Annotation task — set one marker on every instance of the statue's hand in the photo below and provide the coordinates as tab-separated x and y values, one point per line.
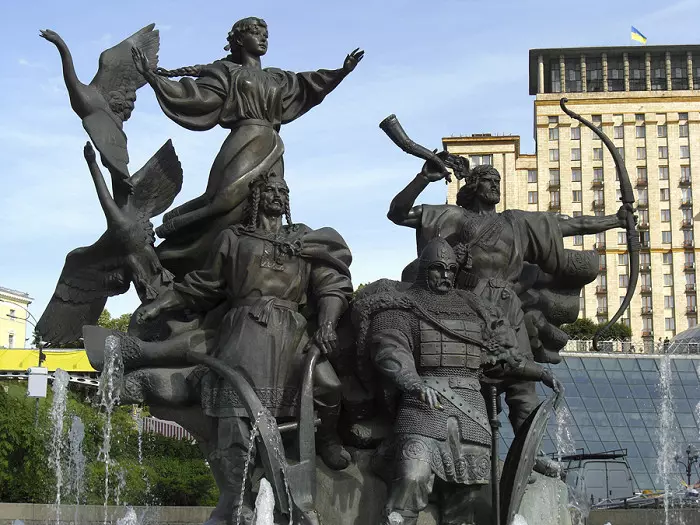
141	62
326	338
50	35
622	214
88	152
432	171
353	59
429	396
149	312
552	382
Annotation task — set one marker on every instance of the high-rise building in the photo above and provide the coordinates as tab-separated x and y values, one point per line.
647	100
13	317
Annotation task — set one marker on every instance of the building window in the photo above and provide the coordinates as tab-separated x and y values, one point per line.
685	173
679	72
623	280
616	73
665	215
663	152
573	75
577	213
668	301
578	240
576	197
553	133
532	197
658	72
554	76
667	257
554	176
642	196
686	195
575	174
622	259
576	133
683	116
482	160
638	73
639	117
683	128
621	153
598	174
670	323
576	154
661	130
597	153
663	172
641	173
665	194
532	175
641	153
554	198
640	132
621	237
668	279
12	314
553	119
619	132
554	154
685	152
594	74
643	219
666	237
10	340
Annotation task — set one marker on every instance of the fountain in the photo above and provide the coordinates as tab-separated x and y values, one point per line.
76	463
58	411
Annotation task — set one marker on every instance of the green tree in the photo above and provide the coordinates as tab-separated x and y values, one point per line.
120	323
580	329
175	469
616	331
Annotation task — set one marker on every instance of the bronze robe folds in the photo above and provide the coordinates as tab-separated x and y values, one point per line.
263	333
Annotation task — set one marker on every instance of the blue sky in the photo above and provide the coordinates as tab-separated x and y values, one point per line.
446	67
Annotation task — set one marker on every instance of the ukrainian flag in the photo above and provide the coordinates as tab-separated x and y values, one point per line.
638	36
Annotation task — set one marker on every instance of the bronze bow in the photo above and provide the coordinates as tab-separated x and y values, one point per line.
633	244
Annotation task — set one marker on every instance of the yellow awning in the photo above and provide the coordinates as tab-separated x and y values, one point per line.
68	360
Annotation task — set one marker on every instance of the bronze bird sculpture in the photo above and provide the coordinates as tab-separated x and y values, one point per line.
122	255
108	100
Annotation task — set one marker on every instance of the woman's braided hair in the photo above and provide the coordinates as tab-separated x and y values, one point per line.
241	27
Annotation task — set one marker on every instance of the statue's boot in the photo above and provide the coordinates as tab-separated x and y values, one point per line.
227	467
328	443
136	353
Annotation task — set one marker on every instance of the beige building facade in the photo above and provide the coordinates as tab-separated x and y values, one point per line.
13	318
647	100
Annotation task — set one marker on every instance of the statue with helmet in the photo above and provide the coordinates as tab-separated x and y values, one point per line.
433	345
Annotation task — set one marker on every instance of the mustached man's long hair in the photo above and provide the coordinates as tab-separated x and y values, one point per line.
467	193
256	186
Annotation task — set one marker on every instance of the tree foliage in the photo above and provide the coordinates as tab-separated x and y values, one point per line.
173	472
585	329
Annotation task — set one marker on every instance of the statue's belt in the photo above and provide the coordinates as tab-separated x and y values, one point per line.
252	122
444	386
262	306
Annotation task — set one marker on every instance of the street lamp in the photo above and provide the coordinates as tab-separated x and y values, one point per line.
693	457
